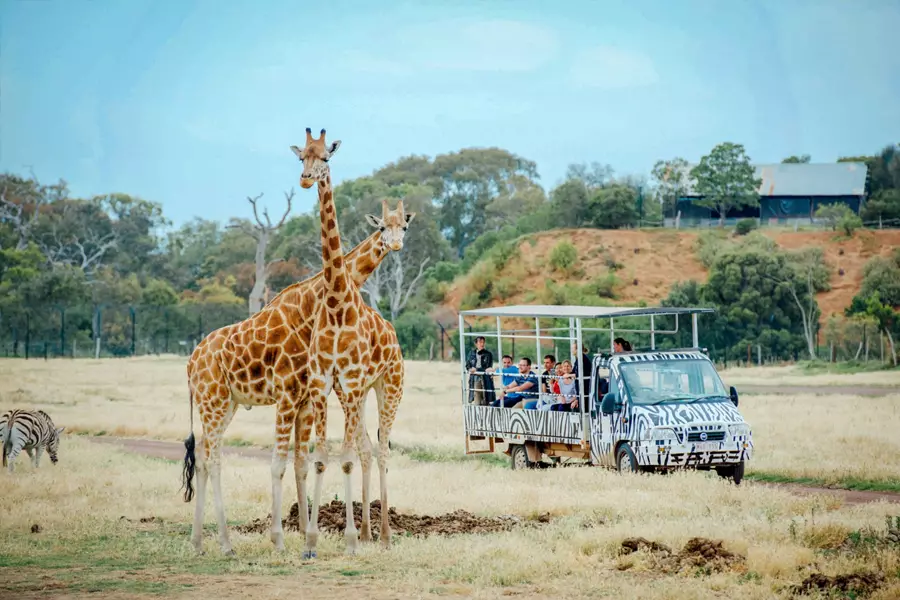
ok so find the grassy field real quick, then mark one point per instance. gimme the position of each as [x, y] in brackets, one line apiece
[85, 547]
[834, 439]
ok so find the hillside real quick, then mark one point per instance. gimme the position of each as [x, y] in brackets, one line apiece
[645, 264]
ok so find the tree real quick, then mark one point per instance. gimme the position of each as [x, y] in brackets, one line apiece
[613, 207]
[22, 202]
[466, 183]
[884, 206]
[886, 317]
[569, 203]
[803, 274]
[671, 178]
[802, 159]
[725, 180]
[839, 215]
[261, 232]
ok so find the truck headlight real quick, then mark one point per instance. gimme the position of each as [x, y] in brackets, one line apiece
[662, 433]
[740, 429]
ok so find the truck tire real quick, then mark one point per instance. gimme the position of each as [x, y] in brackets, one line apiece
[519, 458]
[733, 472]
[626, 460]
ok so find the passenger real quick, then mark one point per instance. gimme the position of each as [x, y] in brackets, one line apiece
[546, 391]
[568, 392]
[582, 366]
[621, 345]
[508, 371]
[523, 387]
[480, 363]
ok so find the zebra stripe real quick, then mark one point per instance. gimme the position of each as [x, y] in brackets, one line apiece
[536, 425]
[29, 430]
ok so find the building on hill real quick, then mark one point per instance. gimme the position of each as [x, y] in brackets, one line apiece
[789, 193]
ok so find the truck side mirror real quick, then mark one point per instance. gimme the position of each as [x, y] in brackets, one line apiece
[609, 404]
[734, 396]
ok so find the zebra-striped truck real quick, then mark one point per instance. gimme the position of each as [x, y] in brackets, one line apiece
[639, 410]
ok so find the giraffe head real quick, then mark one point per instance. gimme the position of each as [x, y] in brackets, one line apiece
[314, 156]
[392, 224]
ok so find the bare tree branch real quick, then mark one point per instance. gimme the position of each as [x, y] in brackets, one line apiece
[398, 297]
[261, 232]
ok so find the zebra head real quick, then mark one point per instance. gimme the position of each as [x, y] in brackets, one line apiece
[53, 444]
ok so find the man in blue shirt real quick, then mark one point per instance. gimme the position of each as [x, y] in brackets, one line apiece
[523, 387]
[508, 371]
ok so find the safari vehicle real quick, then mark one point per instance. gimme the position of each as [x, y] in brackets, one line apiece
[640, 410]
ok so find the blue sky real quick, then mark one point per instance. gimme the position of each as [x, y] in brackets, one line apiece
[194, 103]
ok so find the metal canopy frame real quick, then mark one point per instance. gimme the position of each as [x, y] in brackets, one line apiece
[575, 315]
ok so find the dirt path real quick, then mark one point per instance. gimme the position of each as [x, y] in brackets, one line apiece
[845, 390]
[175, 451]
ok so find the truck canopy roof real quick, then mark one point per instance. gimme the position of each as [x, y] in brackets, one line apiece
[580, 312]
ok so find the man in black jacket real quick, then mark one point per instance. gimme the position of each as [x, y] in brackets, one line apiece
[480, 363]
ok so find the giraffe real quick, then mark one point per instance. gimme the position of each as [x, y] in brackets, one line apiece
[260, 361]
[352, 350]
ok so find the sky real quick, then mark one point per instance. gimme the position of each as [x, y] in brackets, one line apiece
[194, 103]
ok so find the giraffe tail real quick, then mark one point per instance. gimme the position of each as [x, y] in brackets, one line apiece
[190, 459]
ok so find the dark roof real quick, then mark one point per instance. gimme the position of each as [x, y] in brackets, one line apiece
[798, 179]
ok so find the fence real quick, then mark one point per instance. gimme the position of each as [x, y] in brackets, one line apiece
[115, 330]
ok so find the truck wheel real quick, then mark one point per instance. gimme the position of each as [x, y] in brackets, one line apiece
[519, 458]
[625, 459]
[734, 472]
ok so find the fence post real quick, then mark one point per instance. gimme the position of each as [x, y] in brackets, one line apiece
[62, 331]
[166, 315]
[98, 315]
[759, 355]
[28, 333]
[133, 328]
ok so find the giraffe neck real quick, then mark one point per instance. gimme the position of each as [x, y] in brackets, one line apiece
[333, 268]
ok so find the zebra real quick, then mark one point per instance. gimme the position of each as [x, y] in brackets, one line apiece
[31, 430]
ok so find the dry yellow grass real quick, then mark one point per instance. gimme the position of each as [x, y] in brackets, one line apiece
[79, 503]
[794, 376]
[831, 437]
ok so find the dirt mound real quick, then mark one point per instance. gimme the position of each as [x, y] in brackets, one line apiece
[332, 519]
[859, 584]
[698, 553]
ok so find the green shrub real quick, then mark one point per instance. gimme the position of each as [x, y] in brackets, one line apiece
[563, 256]
[745, 226]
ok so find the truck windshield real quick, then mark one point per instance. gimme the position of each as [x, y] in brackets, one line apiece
[663, 381]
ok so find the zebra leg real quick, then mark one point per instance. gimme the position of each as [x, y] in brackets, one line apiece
[33, 455]
[14, 451]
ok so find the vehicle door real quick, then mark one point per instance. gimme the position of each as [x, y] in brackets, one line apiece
[603, 427]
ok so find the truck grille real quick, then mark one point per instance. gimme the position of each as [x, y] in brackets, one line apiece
[711, 436]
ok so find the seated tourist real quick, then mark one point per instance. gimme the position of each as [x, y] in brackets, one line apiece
[546, 392]
[568, 390]
[508, 370]
[523, 387]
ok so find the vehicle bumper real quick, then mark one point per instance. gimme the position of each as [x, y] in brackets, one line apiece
[666, 454]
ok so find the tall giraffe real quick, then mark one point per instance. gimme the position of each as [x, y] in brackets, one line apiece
[352, 350]
[262, 360]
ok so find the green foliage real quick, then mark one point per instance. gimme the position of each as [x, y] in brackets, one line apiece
[839, 216]
[569, 203]
[803, 159]
[709, 245]
[745, 226]
[563, 256]
[613, 207]
[884, 206]
[416, 333]
[443, 271]
[671, 177]
[726, 179]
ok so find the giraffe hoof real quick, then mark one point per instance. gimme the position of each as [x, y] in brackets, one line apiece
[309, 554]
[230, 553]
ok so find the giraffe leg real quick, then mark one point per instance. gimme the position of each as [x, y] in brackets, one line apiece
[214, 466]
[364, 449]
[389, 394]
[202, 476]
[319, 387]
[352, 415]
[284, 423]
[302, 431]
